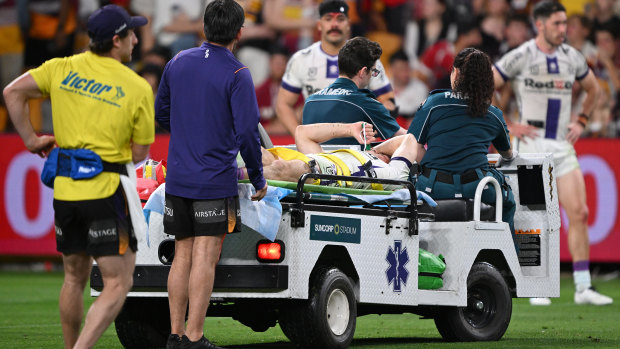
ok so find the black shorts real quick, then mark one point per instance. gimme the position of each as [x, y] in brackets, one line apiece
[185, 217]
[100, 227]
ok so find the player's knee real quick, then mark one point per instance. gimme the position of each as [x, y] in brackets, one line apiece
[584, 213]
[579, 214]
[129, 283]
[75, 281]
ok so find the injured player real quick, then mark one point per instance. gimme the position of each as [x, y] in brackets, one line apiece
[391, 159]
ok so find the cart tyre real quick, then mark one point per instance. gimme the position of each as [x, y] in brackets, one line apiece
[143, 323]
[328, 318]
[488, 311]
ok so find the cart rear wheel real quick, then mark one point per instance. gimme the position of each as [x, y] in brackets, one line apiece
[143, 323]
[488, 311]
[327, 319]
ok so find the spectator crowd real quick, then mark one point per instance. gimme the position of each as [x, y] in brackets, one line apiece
[420, 39]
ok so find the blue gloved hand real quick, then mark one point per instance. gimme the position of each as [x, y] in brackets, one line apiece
[424, 197]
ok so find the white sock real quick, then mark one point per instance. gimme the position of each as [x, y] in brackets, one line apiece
[582, 280]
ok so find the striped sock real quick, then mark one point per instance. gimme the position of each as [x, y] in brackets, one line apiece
[581, 275]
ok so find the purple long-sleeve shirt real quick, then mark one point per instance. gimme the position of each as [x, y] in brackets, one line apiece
[206, 100]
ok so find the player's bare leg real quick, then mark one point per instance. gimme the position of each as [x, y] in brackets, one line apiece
[178, 283]
[117, 275]
[286, 170]
[77, 269]
[205, 255]
[572, 196]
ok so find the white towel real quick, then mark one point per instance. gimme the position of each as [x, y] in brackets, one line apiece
[263, 216]
[133, 201]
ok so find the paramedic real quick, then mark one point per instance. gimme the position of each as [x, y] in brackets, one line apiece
[346, 100]
[391, 159]
[206, 100]
[458, 126]
[543, 72]
[312, 69]
[102, 108]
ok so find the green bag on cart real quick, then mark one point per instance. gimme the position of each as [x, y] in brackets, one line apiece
[430, 269]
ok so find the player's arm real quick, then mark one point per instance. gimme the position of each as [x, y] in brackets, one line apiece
[16, 96]
[143, 134]
[285, 109]
[590, 86]
[498, 80]
[139, 152]
[308, 138]
[404, 146]
[518, 130]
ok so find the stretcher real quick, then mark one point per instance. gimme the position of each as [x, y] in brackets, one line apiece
[334, 259]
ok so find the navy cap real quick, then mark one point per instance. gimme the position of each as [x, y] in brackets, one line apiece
[110, 20]
[333, 6]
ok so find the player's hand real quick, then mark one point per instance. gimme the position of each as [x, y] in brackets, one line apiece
[363, 132]
[41, 145]
[521, 131]
[260, 193]
[505, 161]
[574, 132]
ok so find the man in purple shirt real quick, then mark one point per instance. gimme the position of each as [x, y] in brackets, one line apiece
[206, 100]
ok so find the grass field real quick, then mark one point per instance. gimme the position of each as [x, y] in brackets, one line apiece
[29, 309]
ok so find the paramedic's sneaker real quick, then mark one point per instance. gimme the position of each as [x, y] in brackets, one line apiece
[540, 301]
[202, 343]
[174, 342]
[591, 296]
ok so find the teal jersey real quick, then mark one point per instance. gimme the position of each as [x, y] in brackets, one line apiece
[343, 102]
[456, 141]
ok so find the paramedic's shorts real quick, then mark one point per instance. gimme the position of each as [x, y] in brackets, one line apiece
[564, 156]
[185, 217]
[100, 227]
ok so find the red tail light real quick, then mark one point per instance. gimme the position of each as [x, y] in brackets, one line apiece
[270, 252]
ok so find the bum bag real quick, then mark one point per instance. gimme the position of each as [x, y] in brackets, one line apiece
[77, 164]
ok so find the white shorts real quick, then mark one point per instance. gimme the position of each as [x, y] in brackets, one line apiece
[396, 169]
[564, 155]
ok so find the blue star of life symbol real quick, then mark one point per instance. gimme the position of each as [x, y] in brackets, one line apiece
[397, 259]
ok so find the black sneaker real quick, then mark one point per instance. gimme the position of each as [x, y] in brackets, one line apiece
[202, 343]
[174, 342]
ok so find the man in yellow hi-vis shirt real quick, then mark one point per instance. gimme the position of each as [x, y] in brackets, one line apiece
[103, 120]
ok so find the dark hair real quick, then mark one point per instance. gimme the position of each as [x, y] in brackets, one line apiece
[222, 21]
[544, 9]
[161, 51]
[399, 55]
[104, 46]
[277, 49]
[519, 17]
[356, 54]
[608, 28]
[475, 80]
[583, 21]
[151, 69]
[466, 26]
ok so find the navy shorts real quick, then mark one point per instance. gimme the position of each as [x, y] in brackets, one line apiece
[185, 217]
[100, 227]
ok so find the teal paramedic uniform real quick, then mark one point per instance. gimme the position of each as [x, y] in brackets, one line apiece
[343, 102]
[457, 147]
